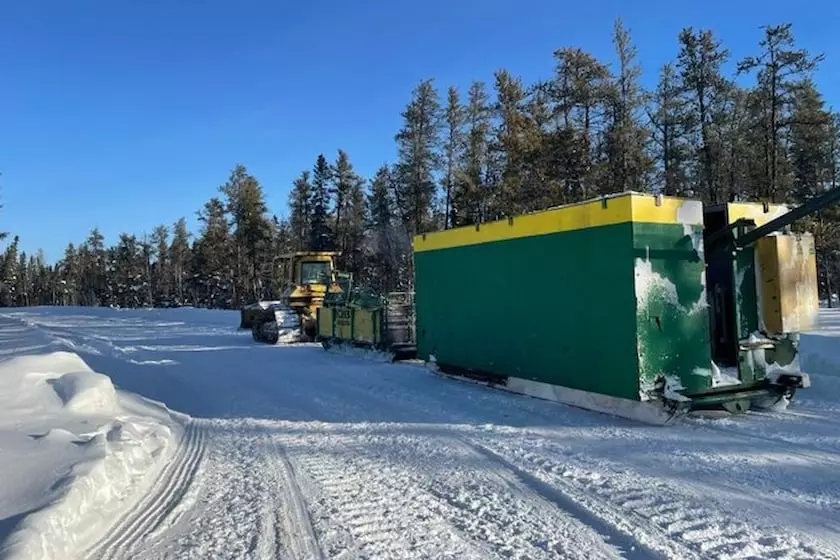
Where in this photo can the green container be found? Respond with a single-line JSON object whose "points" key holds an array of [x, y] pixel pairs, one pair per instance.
{"points": [[600, 304]]}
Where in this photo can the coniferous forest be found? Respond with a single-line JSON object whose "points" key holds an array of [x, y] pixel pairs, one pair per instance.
{"points": [[713, 128]]}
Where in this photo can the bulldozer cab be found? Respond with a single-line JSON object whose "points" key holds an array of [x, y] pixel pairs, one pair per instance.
{"points": [[307, 268]]}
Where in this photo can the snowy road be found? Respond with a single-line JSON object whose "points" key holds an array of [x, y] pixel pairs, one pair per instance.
{"points": [[296, 453]]}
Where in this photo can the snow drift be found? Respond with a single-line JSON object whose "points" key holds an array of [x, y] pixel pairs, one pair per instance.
{"points": [[75, 450]]}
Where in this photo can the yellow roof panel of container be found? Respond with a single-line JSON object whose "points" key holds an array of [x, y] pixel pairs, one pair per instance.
{"points": [[755, 211], [597, 212]]}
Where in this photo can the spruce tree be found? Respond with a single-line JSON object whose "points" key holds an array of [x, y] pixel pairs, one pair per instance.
{"points": [[670, 125], [811, 139], [213, 256], [345, 184], [85, 289], [628, 160], [245, 202], [579, 91], [41, 291], [389, 246], [419, 162], [516, 139], [699, 64], [353, 231], [470, 184], [23, 286], [95, 244], [300, 208], [453, 149], [179, 256], [128, 271], [145, 296], [780, 69], [321, 235], [161, 277], [8, 289]]}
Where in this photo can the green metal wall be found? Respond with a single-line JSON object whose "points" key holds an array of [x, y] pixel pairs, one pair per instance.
{"points": [[672, 317], [562, 308], [557, 308]]}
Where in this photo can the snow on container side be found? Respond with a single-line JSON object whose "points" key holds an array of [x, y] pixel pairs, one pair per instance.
{"points": [[599, 304]]}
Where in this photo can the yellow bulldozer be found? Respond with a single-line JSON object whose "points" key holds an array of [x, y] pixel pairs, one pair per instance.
{"points": [[305, 279]]}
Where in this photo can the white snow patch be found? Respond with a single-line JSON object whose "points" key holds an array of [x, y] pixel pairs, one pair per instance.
{"points": [[364, 353], [724, 377], [152, 362], [721, 377], [673, 386], [432, 365], [75, 450], [690, 215], [263, 304], [774, 371], [82, 391], [646, 388], [648, 282]]}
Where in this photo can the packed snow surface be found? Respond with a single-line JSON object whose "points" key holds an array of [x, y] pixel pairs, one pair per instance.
{"points": [[293, 452]]}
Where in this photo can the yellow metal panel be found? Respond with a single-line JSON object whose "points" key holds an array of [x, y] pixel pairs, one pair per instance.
{"points": [[344, 323], [363, 326], [666, 210], [755, 211], [325, 318], [593, 213], [787, 283]]}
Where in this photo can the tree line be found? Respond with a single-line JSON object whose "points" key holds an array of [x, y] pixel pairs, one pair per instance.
{"points": [[758, 132]]}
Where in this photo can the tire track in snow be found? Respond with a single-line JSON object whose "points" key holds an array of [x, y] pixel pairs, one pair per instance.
{"points": [[626, 543], [164, 495], [292, 529], [808, 452], [661, 518], [368, 508], [398, 494]]}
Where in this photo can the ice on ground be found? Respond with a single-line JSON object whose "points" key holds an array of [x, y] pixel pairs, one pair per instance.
{"points": [[75, 451]]}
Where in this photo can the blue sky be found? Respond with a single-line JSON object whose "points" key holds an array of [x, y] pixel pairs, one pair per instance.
{"points": [[127, 114]]}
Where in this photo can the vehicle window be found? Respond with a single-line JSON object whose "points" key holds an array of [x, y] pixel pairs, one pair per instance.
{"points": [[314, 272]]}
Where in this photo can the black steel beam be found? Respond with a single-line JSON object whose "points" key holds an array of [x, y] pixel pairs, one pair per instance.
{"points": [[814, 205]]}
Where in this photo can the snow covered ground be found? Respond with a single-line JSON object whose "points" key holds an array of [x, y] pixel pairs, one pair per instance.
{"points": [[293, 452]]}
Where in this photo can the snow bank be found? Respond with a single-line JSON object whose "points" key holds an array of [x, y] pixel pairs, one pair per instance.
{"points": [[76, 452]]}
